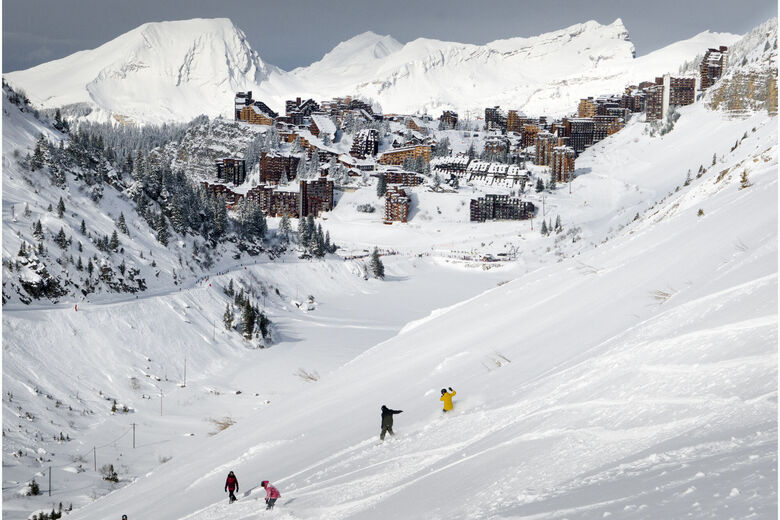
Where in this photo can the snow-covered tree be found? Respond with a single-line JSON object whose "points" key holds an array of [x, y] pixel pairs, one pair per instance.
{"points": [[377, 267]]}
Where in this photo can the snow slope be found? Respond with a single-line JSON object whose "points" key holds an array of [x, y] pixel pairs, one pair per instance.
{"points": [[173, 71], [635, 379]]}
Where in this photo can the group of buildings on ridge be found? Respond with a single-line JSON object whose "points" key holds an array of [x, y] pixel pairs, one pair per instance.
{"points": [[555, 143]]}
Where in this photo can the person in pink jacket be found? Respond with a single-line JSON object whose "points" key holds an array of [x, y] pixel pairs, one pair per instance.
{"points": [[271, 494]]}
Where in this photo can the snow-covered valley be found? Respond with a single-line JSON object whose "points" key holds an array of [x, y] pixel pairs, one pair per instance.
{"points": [[625, 366]]}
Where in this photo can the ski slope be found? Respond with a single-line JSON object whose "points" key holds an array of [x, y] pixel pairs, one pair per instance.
{"points": [[636, 378]]}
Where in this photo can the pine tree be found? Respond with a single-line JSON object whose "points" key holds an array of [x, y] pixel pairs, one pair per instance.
{"points": [[377, 267], [249, 316], [162, 230], [552, 182], [61, 240], [381, 185], [122, 225], [38, 157], [22, 250], [113, 244], [83, 227], [558, 226], [328, 245], [544, 228], [227, 318], [539, 185], [311, 231], [285, 229], [60, 208], [38, 230]]}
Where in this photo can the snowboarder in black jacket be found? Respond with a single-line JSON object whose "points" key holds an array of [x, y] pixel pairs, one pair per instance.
{"points": [[387, 421]]}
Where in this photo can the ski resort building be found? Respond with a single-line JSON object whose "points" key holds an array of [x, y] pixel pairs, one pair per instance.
{"points": [[322, 125], [586, 108], [273, 202], [448, 120], [275, 168], [315, 197], [398, 155], [712, 66], [403, 178], [563, 163], [397, 204], [255, 115], [365, 143], [545, 142], [231, 170], [494, 119], [500, 207], [580, 134], [297, 112]]}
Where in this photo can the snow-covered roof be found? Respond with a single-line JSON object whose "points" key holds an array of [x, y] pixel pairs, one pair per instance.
{"points": [[324, 123]]}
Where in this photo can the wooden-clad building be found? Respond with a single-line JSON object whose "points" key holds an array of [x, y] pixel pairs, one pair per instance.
{"points": [[397, 203]]}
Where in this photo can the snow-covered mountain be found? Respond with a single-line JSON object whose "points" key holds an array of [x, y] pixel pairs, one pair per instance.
{"points": [[166, 71], [175, 70]]}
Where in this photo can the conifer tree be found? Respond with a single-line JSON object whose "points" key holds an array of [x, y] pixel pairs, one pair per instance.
{"points": [[285, 228], [544, 228], [38, 230], [122, 225], [61, 240], [113, 244], [249, 317], [381, 185], [83, 227], [60, 208], [162, 230], [227, 318], [80, 265], [539, 185], [377, 267]]}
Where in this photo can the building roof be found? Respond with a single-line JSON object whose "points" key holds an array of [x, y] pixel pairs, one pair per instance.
{"points": [[324, 123]]}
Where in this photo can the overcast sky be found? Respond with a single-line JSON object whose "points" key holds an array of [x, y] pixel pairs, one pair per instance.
{"points": [[293, 33]]}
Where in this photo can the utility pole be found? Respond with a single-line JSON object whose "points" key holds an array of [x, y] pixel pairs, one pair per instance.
{"points": [[133, 435], [94, 457], [49, 480]]}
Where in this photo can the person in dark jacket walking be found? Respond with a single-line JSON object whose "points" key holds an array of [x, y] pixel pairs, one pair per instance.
{"points": [[231, 485], [387, 421]]}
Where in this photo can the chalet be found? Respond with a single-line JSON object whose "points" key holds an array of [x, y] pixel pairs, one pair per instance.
{"points": [[563, 163], [712, 66], [398, 155], [321, 126], [495, 174], [231, 170], [500, 207], [276, 168], [315, 197], [411, 124], [397, 204]]}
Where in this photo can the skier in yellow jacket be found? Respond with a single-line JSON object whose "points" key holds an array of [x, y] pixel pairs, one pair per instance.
{"points": [[447, 398]]}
